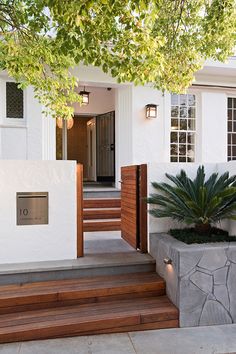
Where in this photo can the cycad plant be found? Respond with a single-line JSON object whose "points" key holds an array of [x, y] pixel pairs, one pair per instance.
{"points": [[199, 201]]}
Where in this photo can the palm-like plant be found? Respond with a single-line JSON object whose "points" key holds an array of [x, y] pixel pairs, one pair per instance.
{"points": [[200, 202]]}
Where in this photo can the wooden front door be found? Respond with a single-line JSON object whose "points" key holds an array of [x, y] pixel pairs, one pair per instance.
{"points": [[105, 124], [133, 206]]}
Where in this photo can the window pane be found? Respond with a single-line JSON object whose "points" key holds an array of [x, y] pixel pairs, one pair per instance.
{"points": [[191, 100], [191, 124], [173, 159], [230, 114], [190, 151], [14, 101], [191, 112], [174, 137], [234, 150], [174, 111], [174, 124], [190, 138], [183, 112], [182, 150], [183, 100], [234, 139], [182, 138], [234, 102], [174, 99], [174, 149], [183, 124], [230, 102]]}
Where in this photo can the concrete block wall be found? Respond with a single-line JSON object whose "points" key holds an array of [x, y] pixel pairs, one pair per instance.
{"points": [[201, 281]]}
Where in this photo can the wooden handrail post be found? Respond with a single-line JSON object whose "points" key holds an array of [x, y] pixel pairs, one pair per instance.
{"points": [[80, 234]]}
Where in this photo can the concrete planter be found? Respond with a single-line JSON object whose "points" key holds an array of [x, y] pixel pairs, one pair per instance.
{"points": [[201, 281]]}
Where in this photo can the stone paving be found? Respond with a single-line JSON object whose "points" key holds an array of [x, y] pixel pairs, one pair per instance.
{"points": [[197, 340]]}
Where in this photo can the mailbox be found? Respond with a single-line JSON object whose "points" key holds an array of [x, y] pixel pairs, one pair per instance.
{"points": [[32, 208]]}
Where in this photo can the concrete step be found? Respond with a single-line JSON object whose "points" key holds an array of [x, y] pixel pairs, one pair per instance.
{"points": [[89, 266], [112, 193], [102, 225]]}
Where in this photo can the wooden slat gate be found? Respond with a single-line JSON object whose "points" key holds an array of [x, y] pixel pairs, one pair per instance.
{"points": [[134, 206]]}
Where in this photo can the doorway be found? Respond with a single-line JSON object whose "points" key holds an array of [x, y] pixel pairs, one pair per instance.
{"points": [[90, 141]]}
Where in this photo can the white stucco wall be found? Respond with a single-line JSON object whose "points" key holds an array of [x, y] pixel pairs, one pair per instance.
{"points": [[213, 127], [150, 137], [21, 139], [29, 243], [156, 173]]}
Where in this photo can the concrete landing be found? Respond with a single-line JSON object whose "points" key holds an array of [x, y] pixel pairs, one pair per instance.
{"points": [[105, 253], [198, 340]]}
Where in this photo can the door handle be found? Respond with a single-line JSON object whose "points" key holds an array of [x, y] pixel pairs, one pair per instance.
{"points": [[112, 147]]}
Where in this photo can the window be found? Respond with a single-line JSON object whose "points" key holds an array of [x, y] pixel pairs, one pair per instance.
{"points": [[14, 101], [231, 129], [183, 128]]}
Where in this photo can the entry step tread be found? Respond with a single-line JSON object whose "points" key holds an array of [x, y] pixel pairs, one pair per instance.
{"points": [[114, 225], [102, 203], [102, 214], [79, 319], [75, 289]]}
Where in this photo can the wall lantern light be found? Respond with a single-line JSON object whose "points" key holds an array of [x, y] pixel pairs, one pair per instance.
{"points": [[167, 261], [151, 110], [85, 97], [69, 123]]}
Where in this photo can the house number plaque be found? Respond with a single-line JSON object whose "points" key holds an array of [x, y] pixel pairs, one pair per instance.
{"points": [[32, 208]]}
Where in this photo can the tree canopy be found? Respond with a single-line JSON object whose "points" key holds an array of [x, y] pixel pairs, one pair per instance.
{"points": [[163, 42]]}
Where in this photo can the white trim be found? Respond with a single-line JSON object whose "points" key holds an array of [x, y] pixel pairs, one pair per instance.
{"points": [[12, 122]]}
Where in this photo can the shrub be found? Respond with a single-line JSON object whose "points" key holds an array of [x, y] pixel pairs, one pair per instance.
{"points": [[199, 202]]}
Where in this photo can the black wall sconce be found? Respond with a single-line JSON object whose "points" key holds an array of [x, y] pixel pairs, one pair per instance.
{"points": [[85, 97], [151, 110]]}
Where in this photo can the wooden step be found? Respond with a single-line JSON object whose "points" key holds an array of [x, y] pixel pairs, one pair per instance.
{"points": [[31, 296], [114, 225], [102, 203], [102, 214], [104, 317]]}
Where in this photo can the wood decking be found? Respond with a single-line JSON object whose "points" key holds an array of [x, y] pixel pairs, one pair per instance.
{"points": [[102, 214], [84, 306]]}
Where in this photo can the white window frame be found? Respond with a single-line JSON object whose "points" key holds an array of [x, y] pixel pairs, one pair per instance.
{"points": [[196, 119], [12, 122], [232, 157]]}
